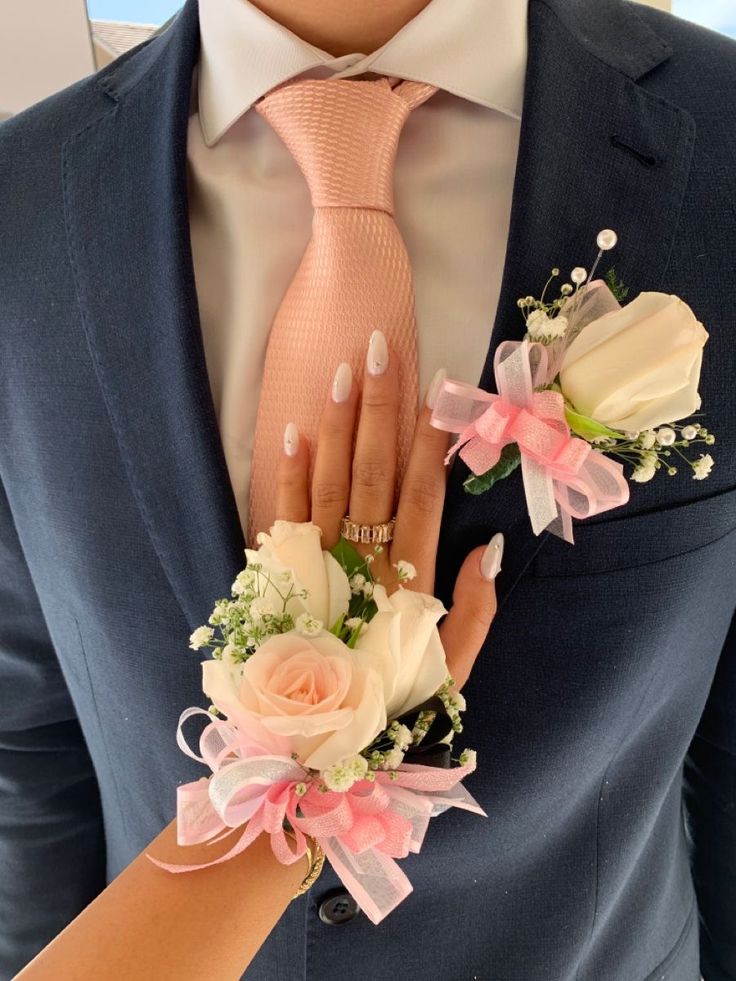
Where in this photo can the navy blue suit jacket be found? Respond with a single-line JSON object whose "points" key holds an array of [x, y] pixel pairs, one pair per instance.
{"points": [[604, 707]]}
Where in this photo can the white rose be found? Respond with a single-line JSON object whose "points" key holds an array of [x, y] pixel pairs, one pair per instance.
{"points": [[402, 643], [298, 547], [637, 367], [303, 695]]}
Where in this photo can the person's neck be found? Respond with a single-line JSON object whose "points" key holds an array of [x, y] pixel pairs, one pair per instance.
{"points": [[342, 27]]}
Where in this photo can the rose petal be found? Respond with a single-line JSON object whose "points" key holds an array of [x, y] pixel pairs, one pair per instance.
{"points": [[366, 697], [419, 614], [379, 647], [305, 725], [338, 588], [217, 685], [637, 367]]}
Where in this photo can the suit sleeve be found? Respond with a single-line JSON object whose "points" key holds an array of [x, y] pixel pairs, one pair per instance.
{"points": [[52, 860], [710, 801]]}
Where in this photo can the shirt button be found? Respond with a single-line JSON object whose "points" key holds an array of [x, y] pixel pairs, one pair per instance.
{"points": [[340, 907]]}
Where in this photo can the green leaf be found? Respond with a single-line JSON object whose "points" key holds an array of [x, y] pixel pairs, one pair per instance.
{"points": [[337, 626], [508, 462], [350, 559], [587, 428], [616, 286]]}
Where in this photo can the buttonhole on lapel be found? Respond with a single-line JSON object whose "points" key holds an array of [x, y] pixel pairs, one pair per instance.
{"points": [[646, 159]]}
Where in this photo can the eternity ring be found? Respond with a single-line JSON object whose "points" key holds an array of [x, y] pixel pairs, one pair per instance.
{"points": [[367, 534]]}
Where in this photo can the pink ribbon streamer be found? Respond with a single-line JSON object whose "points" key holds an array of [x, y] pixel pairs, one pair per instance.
{"points": [[361, 831], [563, 476]]}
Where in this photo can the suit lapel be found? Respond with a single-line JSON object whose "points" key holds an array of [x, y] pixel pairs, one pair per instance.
{"points": [[596, 151], [127, 220]]}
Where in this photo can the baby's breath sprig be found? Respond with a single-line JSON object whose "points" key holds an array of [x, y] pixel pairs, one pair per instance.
{"points": [[362, 607], [661, 449], [467, 756], [543, 318], [387, 750], [422, 725], [257, 610], [453, 701]]}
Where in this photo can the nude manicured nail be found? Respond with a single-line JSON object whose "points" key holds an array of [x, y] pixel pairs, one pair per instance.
{"points": [[377, 353], [490, 562], [291, 440], [434, 388], [343, 383]]}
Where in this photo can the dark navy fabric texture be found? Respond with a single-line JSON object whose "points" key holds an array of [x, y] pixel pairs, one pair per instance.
{"points": [[603, 707]]}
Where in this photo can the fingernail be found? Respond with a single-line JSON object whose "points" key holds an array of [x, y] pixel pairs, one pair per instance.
{"points": [[377, 353], [291, 440], [490, 563], [342, 383], [434, 388]]}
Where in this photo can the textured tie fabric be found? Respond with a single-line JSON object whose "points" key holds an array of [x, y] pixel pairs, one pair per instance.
{"points": [[355, 276]]}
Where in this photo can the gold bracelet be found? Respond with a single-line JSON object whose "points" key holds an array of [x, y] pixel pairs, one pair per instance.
{"points": [[315, 858]]}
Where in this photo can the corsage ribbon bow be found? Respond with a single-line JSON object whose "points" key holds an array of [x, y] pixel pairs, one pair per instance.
{"points": [[361, 830], [564, 477]]}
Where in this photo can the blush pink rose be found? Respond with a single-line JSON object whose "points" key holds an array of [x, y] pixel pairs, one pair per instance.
{"points": [[303, 695]]}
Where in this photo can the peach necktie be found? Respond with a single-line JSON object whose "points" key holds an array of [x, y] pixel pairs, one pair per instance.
{"points": [[355, 275]]}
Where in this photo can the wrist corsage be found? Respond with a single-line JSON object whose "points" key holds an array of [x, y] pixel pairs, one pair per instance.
{"points": [[332, 717], [592, 386]]}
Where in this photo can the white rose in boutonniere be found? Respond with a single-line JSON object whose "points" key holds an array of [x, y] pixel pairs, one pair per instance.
{"points": [[637, 367], [292, 553], [587, 370], [403, 644]]}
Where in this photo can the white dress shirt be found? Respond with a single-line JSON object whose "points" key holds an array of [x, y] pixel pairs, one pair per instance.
{"points": [[249, 206]]}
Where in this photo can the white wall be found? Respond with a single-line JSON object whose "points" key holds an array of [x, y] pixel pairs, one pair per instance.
{"points": [[44, 46]]}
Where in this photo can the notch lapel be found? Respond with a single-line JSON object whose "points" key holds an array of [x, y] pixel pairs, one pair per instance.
{"points": [[127, 220], [596, 151]]}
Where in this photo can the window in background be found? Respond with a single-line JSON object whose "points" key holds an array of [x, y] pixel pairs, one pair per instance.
{"points": [[133, 11], [719, 15]]}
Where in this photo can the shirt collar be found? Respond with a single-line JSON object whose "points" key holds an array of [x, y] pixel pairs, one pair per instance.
{"points": [[474, 49]]}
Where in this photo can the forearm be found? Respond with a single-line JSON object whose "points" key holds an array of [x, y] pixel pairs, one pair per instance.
{"points": [[150, 923]]}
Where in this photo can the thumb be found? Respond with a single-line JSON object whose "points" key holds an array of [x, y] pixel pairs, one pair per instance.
{"points": [[466, 626]]}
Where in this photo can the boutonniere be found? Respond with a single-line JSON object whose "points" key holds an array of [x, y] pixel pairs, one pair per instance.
{"points": [[594, 385]]}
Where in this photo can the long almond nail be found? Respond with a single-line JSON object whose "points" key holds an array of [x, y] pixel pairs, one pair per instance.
{"points": [[490, 563], [343, 383], [377, 353], [291, 440], [434, 388]]}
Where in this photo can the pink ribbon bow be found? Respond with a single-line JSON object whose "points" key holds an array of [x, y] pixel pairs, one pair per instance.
{"points": [[361, 831], [564, 477]]}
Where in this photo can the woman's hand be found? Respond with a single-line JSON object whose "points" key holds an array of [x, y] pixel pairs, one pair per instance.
{"points": [[362, 483]]}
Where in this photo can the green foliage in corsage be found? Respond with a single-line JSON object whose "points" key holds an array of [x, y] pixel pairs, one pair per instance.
{"points": [[509, 460], [362, 609]]}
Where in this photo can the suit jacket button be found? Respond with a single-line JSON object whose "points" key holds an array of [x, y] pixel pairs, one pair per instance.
{"points": [[338, 907]]}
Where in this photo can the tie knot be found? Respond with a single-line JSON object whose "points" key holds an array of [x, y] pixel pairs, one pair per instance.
{"points": [[344, 134]]}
